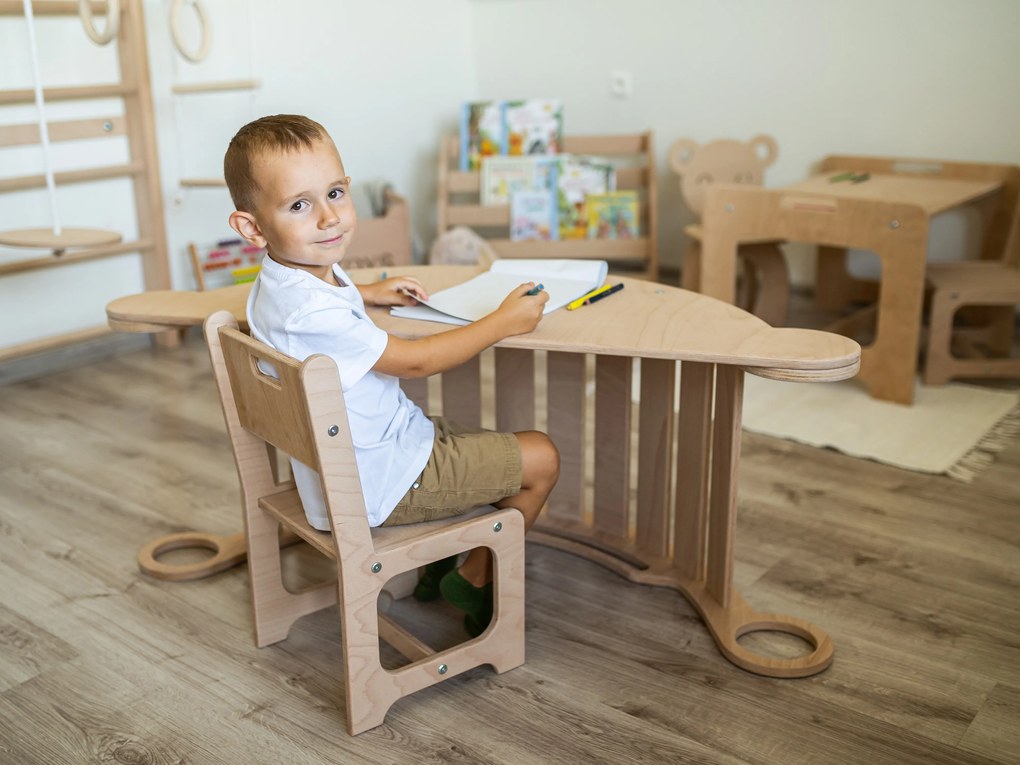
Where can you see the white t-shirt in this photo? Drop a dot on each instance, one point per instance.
(301, 315)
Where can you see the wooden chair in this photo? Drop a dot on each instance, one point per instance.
(994, 284)
(765, 287)
(302, 413)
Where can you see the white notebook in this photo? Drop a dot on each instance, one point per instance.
(564, 280)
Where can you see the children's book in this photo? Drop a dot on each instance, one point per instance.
(576, 178)
(533, 215)
(481, 132)
(564, 280)
(502, 176)
(613, 215)
(533, 126)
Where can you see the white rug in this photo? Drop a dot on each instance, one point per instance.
(954, 429)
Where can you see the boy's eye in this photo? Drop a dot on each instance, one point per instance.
(298, 206)
(336, 193)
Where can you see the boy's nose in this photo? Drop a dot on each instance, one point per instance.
(328, 218)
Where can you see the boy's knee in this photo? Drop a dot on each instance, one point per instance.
(540, 457)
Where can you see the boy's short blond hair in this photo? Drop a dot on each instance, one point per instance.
(276, 133)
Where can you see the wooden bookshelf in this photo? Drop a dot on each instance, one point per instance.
(634, 159)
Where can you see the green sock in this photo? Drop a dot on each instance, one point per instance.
(428, 584)
(475, 602)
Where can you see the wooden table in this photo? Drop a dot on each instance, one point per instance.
(675, 526)
(887, 214)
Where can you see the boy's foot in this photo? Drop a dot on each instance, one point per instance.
(475, 602)
(428, 584)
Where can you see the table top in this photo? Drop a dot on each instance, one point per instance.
(934, 195)
(645, 319)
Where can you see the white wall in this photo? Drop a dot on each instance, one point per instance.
(920, 78)
(929, 78)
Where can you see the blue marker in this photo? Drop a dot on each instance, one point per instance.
(535, 290)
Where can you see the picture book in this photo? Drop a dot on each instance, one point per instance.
(502, 176)
(613, 215)
(533, 215)
(533, 126)
(565, 280)
(481, 132)
(576, 178)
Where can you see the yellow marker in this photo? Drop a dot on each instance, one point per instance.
(584, 298)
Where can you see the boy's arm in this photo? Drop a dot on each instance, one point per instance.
(397, 290)
(518, 314)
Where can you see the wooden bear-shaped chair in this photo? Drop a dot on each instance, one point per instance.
(765, 287)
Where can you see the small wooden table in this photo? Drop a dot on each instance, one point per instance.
(676, 527)
(887, 214)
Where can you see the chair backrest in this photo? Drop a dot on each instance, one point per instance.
(999, 240)
(299, 410)
(721, 161)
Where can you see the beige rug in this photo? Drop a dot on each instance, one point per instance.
(954, 429)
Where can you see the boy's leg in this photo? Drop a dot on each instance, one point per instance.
(469, 587)
(540, 467)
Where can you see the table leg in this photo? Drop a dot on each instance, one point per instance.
(889, 364)
(701, 564)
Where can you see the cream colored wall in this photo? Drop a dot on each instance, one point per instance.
(928, 78)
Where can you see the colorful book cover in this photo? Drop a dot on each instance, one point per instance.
(613, 215)
(481, 132)
(502, 176)
(576, 178)
(533, 126)
(533, 215)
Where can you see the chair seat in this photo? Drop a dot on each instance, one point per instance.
(988, 276)
(286, 507)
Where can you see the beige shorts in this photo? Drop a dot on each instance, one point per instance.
(468, 467)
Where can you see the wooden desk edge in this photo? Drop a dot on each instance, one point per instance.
(834, 374)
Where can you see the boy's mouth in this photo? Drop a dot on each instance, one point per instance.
(335, 240)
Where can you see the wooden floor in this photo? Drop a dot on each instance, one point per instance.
(915, 577)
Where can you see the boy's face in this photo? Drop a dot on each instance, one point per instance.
(304, 214)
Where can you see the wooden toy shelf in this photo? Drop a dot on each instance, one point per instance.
(634, 158)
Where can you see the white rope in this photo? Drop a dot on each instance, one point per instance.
(204, 43)
(112, 21)
(44, 133)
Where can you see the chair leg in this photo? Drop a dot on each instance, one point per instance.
(690, 268)
(771, 293)
(938, 362)
(371, 690)
(274, 608)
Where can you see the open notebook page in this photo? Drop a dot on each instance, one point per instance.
(564, 280)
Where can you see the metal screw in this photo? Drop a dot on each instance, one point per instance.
(376, 568)
(108, 126)
(894, 224)
(333, 430)
(442, 669)
(497, 527)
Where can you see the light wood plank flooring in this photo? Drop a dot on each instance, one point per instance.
(914, 576)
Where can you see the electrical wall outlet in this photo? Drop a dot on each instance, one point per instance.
(621, 83)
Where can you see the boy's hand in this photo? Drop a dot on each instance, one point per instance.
(519, 313)
(400, 290)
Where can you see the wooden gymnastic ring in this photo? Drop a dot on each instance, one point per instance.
(112, 21)
(175, 29)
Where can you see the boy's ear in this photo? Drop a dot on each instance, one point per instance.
(246, 225)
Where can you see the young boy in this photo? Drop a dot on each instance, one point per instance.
(292, 196)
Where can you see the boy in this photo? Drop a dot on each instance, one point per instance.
(292, 196)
